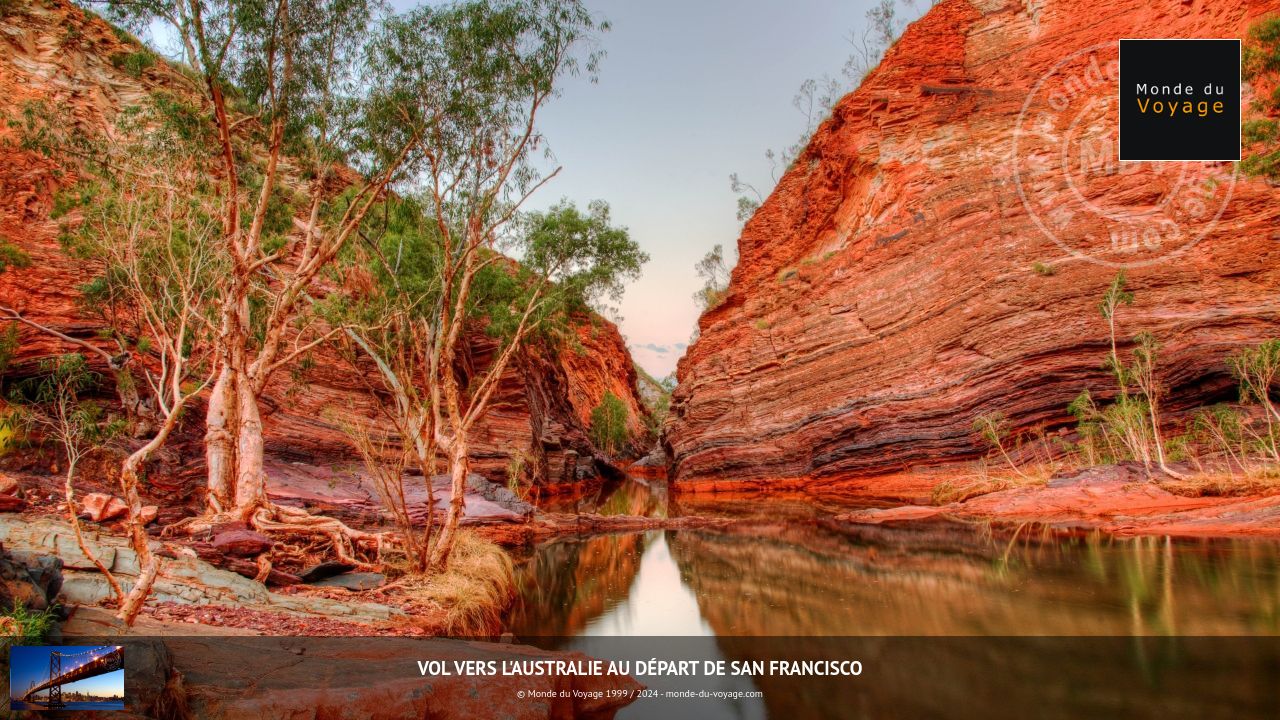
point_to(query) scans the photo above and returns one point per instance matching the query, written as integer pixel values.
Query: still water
(786, 574)
(789, 582)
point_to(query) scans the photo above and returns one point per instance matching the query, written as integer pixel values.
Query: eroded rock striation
(55, 53)
(939, 249)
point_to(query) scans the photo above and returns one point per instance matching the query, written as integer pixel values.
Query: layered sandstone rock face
(53, 52)
(939, 250)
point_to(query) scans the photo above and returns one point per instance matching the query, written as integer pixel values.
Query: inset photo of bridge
(70, 677)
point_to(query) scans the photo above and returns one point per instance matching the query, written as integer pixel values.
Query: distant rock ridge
(913, 269)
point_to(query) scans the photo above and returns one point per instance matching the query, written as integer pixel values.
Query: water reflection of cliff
(627, 496)
(566, 584)
(801, 586)
(955, 581)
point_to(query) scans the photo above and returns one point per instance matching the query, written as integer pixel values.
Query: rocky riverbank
(1120, 500)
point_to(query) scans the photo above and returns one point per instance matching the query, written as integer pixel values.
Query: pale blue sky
(688, 93)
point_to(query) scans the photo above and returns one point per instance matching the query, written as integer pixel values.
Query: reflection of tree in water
(627, 496)
(567, 584)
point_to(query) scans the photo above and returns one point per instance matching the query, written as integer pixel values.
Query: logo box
(1180, 100)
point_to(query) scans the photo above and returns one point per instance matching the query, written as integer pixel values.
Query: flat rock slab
(243, 543)
(354, 581)
(876, 516)
(1116, 499)
(316, 573)
(183, 579)
(486, 502)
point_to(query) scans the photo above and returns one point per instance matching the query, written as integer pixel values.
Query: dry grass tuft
(984, 482)
(472, 594)
(1260, 480)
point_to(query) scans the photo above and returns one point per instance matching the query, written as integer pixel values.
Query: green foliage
(8, 346)
(277, 222)
(1257, 369)
(139, 219)
(474, 69)
(656, 395)
(68, 200)
(1262, 164)
(23, 626)
(240, 47)
(1142, 371)
(1260, 130)
(1043, 269)
(1262, 49)
(749, 198)
(135, 63)
(993, 427)
(184, 121)
(658, 413)
(1115, 296)
(12, 256)
(609, 424)
(66, 374)
(584, 256)
(1128, 428)
(714, 272)
(55, 401)
(518, 470)
(1120, 430)
(1221, 428)
(1262, 57)
(571, 260)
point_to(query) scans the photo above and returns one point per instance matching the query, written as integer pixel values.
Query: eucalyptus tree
(144, 230)
(442, 100)
(144, 227)
(569, 260)
(477, 75)
(56, 402)
(282, 83)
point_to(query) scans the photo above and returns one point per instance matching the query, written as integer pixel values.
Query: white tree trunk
(148, 563)
(251, 488)
(459, 468)
(220, 442)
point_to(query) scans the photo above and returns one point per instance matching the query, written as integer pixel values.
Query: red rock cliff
(924, 261)
(55, 53)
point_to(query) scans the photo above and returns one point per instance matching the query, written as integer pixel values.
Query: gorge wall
(54, 52)
(939, 249)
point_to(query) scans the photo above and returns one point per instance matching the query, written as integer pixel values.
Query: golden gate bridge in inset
(66, 668)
